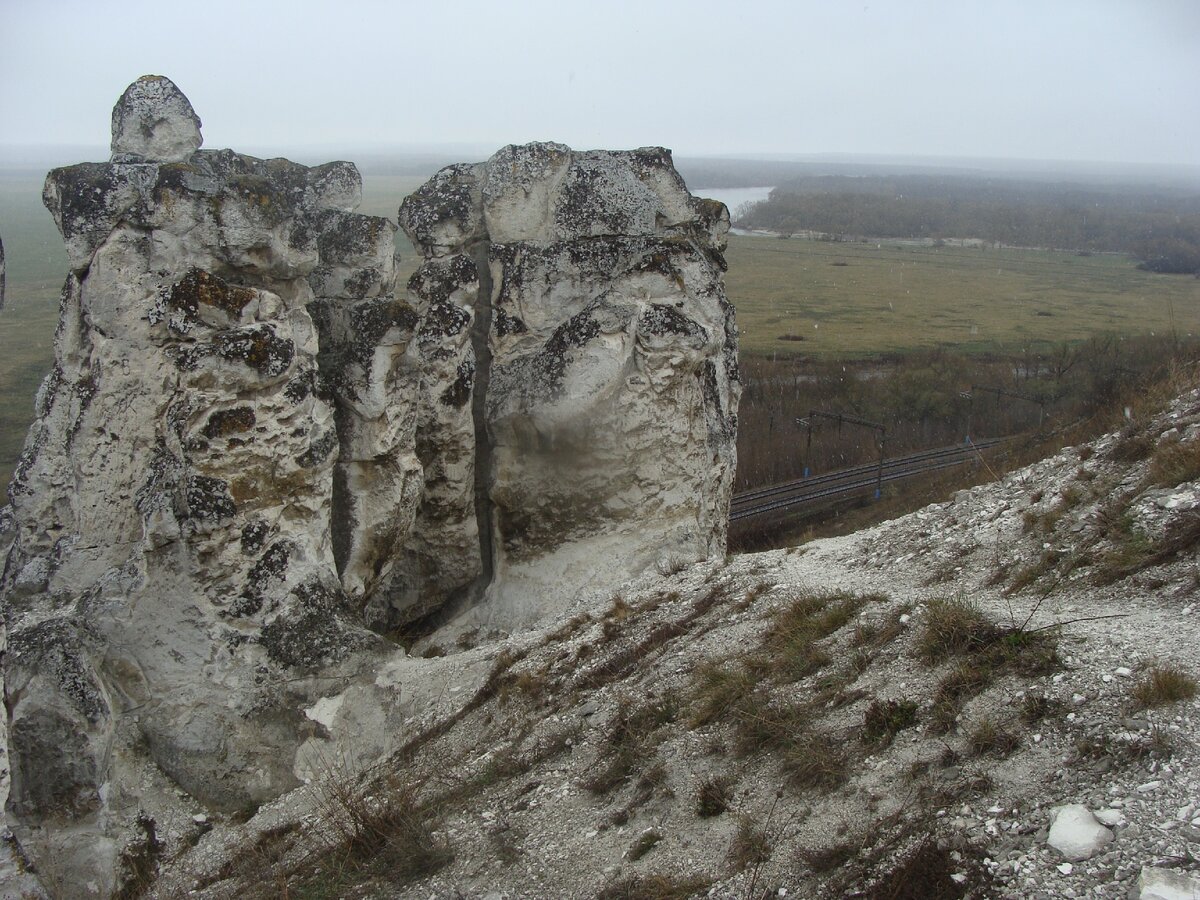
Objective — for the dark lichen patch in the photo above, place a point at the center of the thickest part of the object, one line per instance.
(165, 470)
(254, 536)
(256, 346)
(459, 392)
(306, 384)
(508, 324)
(443, 320)
(584, 206)
(225, 422)
(87, 200)
(208, 499)
(344, 236)
(198, 288)
(318, 450)
(268, 572)
(309, 633)
(54, 649)
(550, 365)
(371, 320)
(437, 280)
(449, 197)
(661, 319)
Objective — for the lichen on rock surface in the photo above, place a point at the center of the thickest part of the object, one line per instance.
(153, 121)
(172, 563)
(606, 384)
(254, 460)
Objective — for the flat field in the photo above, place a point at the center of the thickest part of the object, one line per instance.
(825, 299)
(793, 297)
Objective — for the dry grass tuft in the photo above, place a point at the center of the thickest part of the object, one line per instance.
(1163, 684)
(751, 845)
(654, 887)
(883, 720)
(713, 796)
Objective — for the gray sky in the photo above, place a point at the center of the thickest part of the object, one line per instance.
(1095, 80)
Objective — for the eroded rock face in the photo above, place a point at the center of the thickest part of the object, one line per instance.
(154, 122)
(606, 381)
(253, 457)
(175, 585)
(1, 274)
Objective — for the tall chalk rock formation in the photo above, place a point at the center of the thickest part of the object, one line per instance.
(605, 381)
(173, 587)
(253, 458)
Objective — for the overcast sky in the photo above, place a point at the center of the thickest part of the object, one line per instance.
(1095, 80)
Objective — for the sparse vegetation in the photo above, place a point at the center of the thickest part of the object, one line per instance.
(643, 844)
(1163, 684)
(713, 796)
(751, 845)
(633, 736)
(884, 719)
(383, 830)
(989, 737)
(654, 887)
(956, 629)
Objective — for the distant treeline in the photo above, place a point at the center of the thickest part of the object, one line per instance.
(1160, 228)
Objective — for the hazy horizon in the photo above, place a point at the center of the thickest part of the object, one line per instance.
(1102, 81)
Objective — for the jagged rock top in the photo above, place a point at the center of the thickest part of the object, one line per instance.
(154, 122)
(548, 193)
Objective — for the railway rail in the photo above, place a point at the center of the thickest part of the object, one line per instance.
(862, 478)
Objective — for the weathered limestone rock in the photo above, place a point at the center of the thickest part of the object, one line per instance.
(606, 381)
(252, 458)
(1075, 832)
(172, 594)
(154, 122)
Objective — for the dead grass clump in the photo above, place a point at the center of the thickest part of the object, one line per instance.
(138, 863)
(987, 737)
(633, 737)
(386, 831)
(751, 845)
(761, 726)
(1133, 445)
(1036, 707)
(1174, 462)
(1133, 552)
(718, 690)
(953, 691)
(654, 887)
(984, 650)
(827, 859)
(883, 720)
(643, 844)
(789, 650)
(568, 629)
(815, 760)
(1163, 684)
(925, 874)
(954, 627)
(713, 796)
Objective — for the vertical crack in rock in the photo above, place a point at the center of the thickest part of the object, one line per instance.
(605, 399)
(481, 329)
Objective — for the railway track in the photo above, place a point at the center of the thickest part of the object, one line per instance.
(846, 481)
